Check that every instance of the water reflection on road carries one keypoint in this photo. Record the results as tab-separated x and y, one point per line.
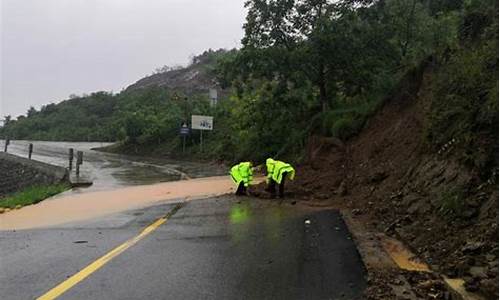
109	171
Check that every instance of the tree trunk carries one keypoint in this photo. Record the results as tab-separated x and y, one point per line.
323	95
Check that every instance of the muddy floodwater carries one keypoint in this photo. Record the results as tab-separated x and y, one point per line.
110	171
79	207
120	183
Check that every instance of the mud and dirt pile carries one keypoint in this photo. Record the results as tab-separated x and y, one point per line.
388	177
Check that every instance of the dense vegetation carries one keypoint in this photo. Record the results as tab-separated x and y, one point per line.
309	67
465	107
83	118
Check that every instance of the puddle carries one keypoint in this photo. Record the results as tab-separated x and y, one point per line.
402	256
457	285
406	260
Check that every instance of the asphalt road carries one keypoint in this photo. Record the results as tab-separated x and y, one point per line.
219	248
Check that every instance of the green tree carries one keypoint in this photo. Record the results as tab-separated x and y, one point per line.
31	112
7	120
291	35
332	44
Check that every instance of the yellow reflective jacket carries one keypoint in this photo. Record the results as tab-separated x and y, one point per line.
276	168
242	172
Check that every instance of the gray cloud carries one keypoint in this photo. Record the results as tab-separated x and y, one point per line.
53	48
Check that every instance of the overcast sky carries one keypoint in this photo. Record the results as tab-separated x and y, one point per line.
53	48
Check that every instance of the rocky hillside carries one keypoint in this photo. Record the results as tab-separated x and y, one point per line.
444	210
197	77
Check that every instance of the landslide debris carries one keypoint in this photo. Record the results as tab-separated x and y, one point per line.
445	211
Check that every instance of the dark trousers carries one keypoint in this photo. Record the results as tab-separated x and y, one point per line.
281	188
242	190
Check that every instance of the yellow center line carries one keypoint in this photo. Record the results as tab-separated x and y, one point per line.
96	265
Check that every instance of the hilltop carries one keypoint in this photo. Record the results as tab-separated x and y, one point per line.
100	116
197	77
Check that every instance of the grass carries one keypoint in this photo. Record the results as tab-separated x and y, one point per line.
453	202
32	195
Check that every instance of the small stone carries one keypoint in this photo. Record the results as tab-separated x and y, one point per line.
472	247
471	286
493	263
490	257
478	272
398	282
378	177
323	196
470	213
342	190
492	271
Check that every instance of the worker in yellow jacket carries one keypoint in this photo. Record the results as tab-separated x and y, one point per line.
242	176
277	173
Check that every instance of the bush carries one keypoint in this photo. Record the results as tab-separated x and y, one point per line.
347	120
347	127
453	202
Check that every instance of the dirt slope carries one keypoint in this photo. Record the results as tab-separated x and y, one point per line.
390	178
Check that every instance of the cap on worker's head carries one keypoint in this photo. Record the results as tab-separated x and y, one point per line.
269	161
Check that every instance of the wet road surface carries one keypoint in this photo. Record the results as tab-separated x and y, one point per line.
217	248
110	171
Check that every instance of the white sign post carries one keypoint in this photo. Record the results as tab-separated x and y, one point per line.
202	123
212	94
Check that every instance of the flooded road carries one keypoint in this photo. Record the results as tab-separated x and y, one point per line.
121	183
70	207
111	171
